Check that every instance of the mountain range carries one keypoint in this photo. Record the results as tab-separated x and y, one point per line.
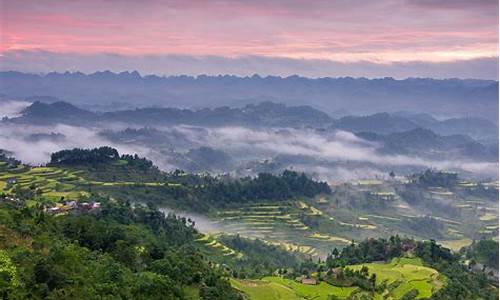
400	133
450	98
264	114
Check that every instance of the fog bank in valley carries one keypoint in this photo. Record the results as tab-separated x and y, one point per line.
333	156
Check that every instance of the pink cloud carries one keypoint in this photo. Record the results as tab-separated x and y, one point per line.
337	30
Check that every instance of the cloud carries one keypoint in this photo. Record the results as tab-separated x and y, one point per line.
375	31
43	62
340	155
16	138
341	146
11	108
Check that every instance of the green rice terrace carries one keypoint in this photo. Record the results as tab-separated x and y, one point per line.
400	276
312	226
279	246
307	225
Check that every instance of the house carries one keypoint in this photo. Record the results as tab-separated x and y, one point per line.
54	209
71	204
309	281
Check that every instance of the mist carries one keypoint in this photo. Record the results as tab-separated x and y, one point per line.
339	146
336	156
12	108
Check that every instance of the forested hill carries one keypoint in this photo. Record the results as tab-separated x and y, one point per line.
194	191
261	115
119	252
65	234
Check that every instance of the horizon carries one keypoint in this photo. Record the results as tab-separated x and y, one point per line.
261	76
320	39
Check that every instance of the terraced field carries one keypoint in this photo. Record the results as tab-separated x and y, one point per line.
401	275
405	274
309	226
280	224
51	183
54	183
274	288
211	241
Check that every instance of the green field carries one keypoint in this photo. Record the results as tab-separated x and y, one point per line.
406	274
275	288
54	183
401	276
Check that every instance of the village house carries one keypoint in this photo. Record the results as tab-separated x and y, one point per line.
309	281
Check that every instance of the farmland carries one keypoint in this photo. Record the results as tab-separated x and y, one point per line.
405	274
310	226
400	276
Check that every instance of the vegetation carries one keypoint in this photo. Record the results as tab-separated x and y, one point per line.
260	258
264	187
460	283
484	252
116	253
125	248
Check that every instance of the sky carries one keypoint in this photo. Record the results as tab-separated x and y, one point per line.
400	38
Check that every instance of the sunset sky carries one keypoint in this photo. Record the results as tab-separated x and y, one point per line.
274	37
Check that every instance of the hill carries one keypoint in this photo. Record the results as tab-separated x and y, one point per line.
265	114
425	143
366	96
64	232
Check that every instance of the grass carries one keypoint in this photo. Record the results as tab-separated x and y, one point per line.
277	288
408	273
320	291
264	290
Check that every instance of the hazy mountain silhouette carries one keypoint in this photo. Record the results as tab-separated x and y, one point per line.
104	90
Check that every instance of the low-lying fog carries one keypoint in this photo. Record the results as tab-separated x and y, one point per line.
334	156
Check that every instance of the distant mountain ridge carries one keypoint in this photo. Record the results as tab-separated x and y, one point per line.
396	133
262	114
365	96
425	142
265	114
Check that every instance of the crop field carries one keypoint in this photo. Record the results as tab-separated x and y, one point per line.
264	290
456	245
52	183
402	275
280	224
311	226
277	288
406	274
55	183
211	241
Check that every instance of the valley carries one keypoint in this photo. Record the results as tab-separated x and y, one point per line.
308	225
295	227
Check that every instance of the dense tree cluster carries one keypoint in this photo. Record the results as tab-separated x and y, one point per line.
437	178
7	157
370	250
122	252
346	277
79	156
265	186
484	252
260	258
106	164
96	156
